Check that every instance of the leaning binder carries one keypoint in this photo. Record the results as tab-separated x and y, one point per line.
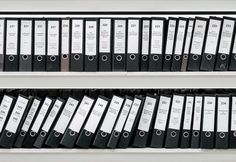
133	45
105	44
119	45
53	36
26	43
197	43
39	58
77	45
170	40
11	60
211	44
2	42
157	36
91	45
225	45
232	130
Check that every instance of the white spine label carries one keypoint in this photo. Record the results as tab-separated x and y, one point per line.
180	37
233	114
157	36
170	37
188	37
26	37
77	36
133	36
2	34
40	37
65	36
91	38
209	114
120	36
105	36
53	38
145	37
197	113
223	114
12	37
188	113
4	110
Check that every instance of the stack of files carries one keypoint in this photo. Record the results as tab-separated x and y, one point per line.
118	118
78	44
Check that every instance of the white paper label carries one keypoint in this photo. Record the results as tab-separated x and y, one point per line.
170	37
16	115
162	113
91	38
120	36
53	38
123	115
197	113
188	113
226	36
198	36
26	37
176	112
81	114
96	115
77	36
30	116
157	36
234	46
41	115
147	113
145	37
2	34
12	37
105	36
188	36
233	114
66	115
40	37
180	37
209	114
111	115
52	115
132	114
4	110
223	114
212	36
133	36
65	36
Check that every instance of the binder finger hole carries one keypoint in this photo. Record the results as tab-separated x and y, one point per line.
24	57
158	132
116	134
104	58
177	57
132	57
141	133
208	57
72	133
39	58
76	57
144	58
118	58
11	58
223	57
64	56
195	133
8	134
56	134
173	134
32	134
90	58
155	57
43	134
87	133
22	133
103	134
167	57
222	135
235	57
185	57
208	134
53	58
195	57
186	134
234	134
126	134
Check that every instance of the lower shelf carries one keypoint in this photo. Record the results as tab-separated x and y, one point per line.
118	155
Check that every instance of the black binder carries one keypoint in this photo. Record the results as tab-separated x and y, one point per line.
159	131
26	44
211	44
119	45
225	45
87	134
91	45
77	44
179	44
208	122
11	59
53	45
157	38
133	44
105	44
197	43
232	124
175	120
2	42
39	39
170	41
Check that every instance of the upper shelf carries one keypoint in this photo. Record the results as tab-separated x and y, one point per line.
117	5
126	80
